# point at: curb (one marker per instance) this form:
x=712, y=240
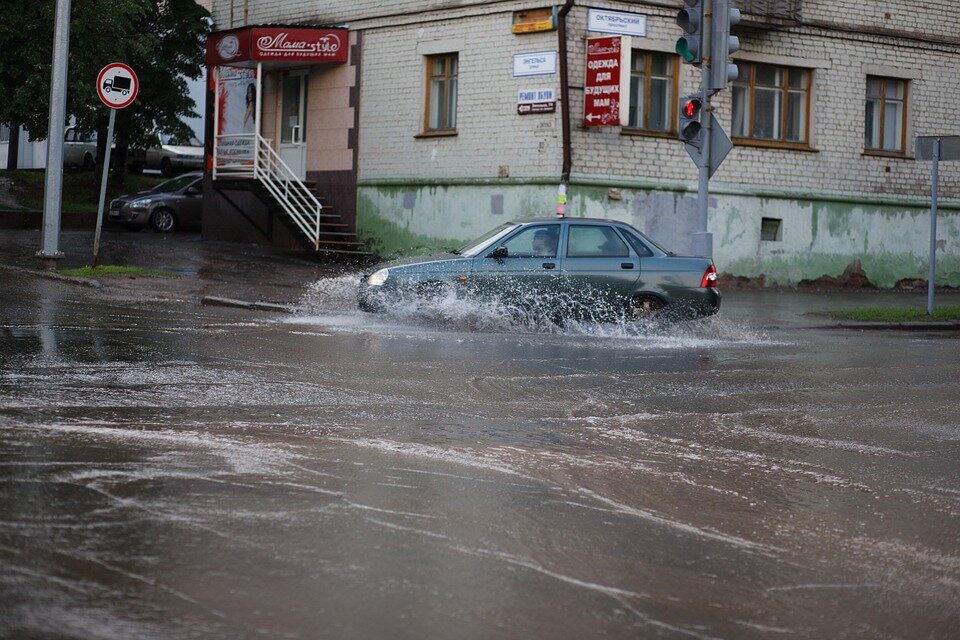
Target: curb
x=50, y=275
x=214, y=301
x=901, y=326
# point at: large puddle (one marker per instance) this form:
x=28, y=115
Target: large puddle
x=331, y=303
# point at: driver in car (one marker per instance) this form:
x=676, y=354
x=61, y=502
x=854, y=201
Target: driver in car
x=545, y=243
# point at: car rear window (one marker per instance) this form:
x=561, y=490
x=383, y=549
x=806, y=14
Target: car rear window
x=595, y=241
x=641, y=249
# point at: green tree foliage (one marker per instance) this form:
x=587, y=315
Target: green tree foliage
x=162, y=40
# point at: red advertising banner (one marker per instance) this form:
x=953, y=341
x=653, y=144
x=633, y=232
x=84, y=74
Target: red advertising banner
x=606, y=90
x=244, y=47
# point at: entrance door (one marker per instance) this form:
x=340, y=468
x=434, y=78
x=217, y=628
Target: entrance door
x=293, y=115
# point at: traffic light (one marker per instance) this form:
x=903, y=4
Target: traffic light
x=691, y=20
x=690, y=128
x=722, y=44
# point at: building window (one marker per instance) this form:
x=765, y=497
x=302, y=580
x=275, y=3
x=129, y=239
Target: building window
x=441, y=104
x=772, y=104
x=886, y=115
x=653, y=84
x=771, y=229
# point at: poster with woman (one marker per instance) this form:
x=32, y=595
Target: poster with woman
x=237, y=116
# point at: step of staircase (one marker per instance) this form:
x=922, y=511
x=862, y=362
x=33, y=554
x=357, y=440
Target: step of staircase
x=335, y=237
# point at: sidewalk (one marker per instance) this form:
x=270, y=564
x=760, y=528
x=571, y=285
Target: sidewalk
x=240, y=271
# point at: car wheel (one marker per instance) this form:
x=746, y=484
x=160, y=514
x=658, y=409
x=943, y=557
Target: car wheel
x=163, y=220
x=88, y=163
x=166, y=168
x=646, y=307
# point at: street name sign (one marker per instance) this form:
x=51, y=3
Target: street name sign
x=606, y=88
x=949, y=147
x=535, y=63
x=117, y=85
x=627, y=24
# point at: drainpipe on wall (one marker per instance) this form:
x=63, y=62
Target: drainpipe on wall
x=564, y=109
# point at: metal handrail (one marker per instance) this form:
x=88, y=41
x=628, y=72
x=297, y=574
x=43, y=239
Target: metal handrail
x=293, y=196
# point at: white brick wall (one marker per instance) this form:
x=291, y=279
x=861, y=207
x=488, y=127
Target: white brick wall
x=491, y=134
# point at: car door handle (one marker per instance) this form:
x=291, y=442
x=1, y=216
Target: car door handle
x=626, y=265
x=549, y=265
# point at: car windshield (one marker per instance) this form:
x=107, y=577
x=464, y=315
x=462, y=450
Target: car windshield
x=174, y=185
x=180, y=142
x=474, y=247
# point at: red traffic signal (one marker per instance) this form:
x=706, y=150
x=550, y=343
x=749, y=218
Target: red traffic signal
x=689, y=129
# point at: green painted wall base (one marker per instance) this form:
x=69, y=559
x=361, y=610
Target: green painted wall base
x=819, y=234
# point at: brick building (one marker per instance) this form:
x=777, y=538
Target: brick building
x=417, y=138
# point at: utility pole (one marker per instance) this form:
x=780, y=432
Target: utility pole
x=53, y=185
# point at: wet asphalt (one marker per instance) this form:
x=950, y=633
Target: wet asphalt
x=169, y=470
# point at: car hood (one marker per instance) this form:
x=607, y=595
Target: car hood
x=127, y=197
x=439, y=260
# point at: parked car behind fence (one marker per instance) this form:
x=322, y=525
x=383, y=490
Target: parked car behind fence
x=79, y=149
x=168, y=154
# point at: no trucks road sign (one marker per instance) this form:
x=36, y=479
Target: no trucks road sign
x=117, y=85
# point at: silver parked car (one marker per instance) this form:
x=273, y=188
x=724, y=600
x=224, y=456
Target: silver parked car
x=168, y=154
x=557, y=267
x=167, y=207
x=79, y=149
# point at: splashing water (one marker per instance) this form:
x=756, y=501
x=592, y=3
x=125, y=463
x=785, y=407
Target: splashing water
x=334, y=301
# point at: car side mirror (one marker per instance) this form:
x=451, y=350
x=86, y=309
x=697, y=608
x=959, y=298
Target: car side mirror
x=193, y=191
x=499, y=253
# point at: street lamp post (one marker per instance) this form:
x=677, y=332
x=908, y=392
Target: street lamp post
x=53, y=185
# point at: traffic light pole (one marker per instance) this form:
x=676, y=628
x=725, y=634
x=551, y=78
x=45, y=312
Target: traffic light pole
x=702, y=239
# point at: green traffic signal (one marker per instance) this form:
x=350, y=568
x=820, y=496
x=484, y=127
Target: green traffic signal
x=691, y=20
x=686, y=49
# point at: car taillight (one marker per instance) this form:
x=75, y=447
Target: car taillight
x=709, y=277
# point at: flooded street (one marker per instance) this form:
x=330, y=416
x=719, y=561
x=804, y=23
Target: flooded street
x=177, y=471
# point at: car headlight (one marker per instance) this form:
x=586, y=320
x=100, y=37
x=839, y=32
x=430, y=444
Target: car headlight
x=378, y=278
x=141, y=203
